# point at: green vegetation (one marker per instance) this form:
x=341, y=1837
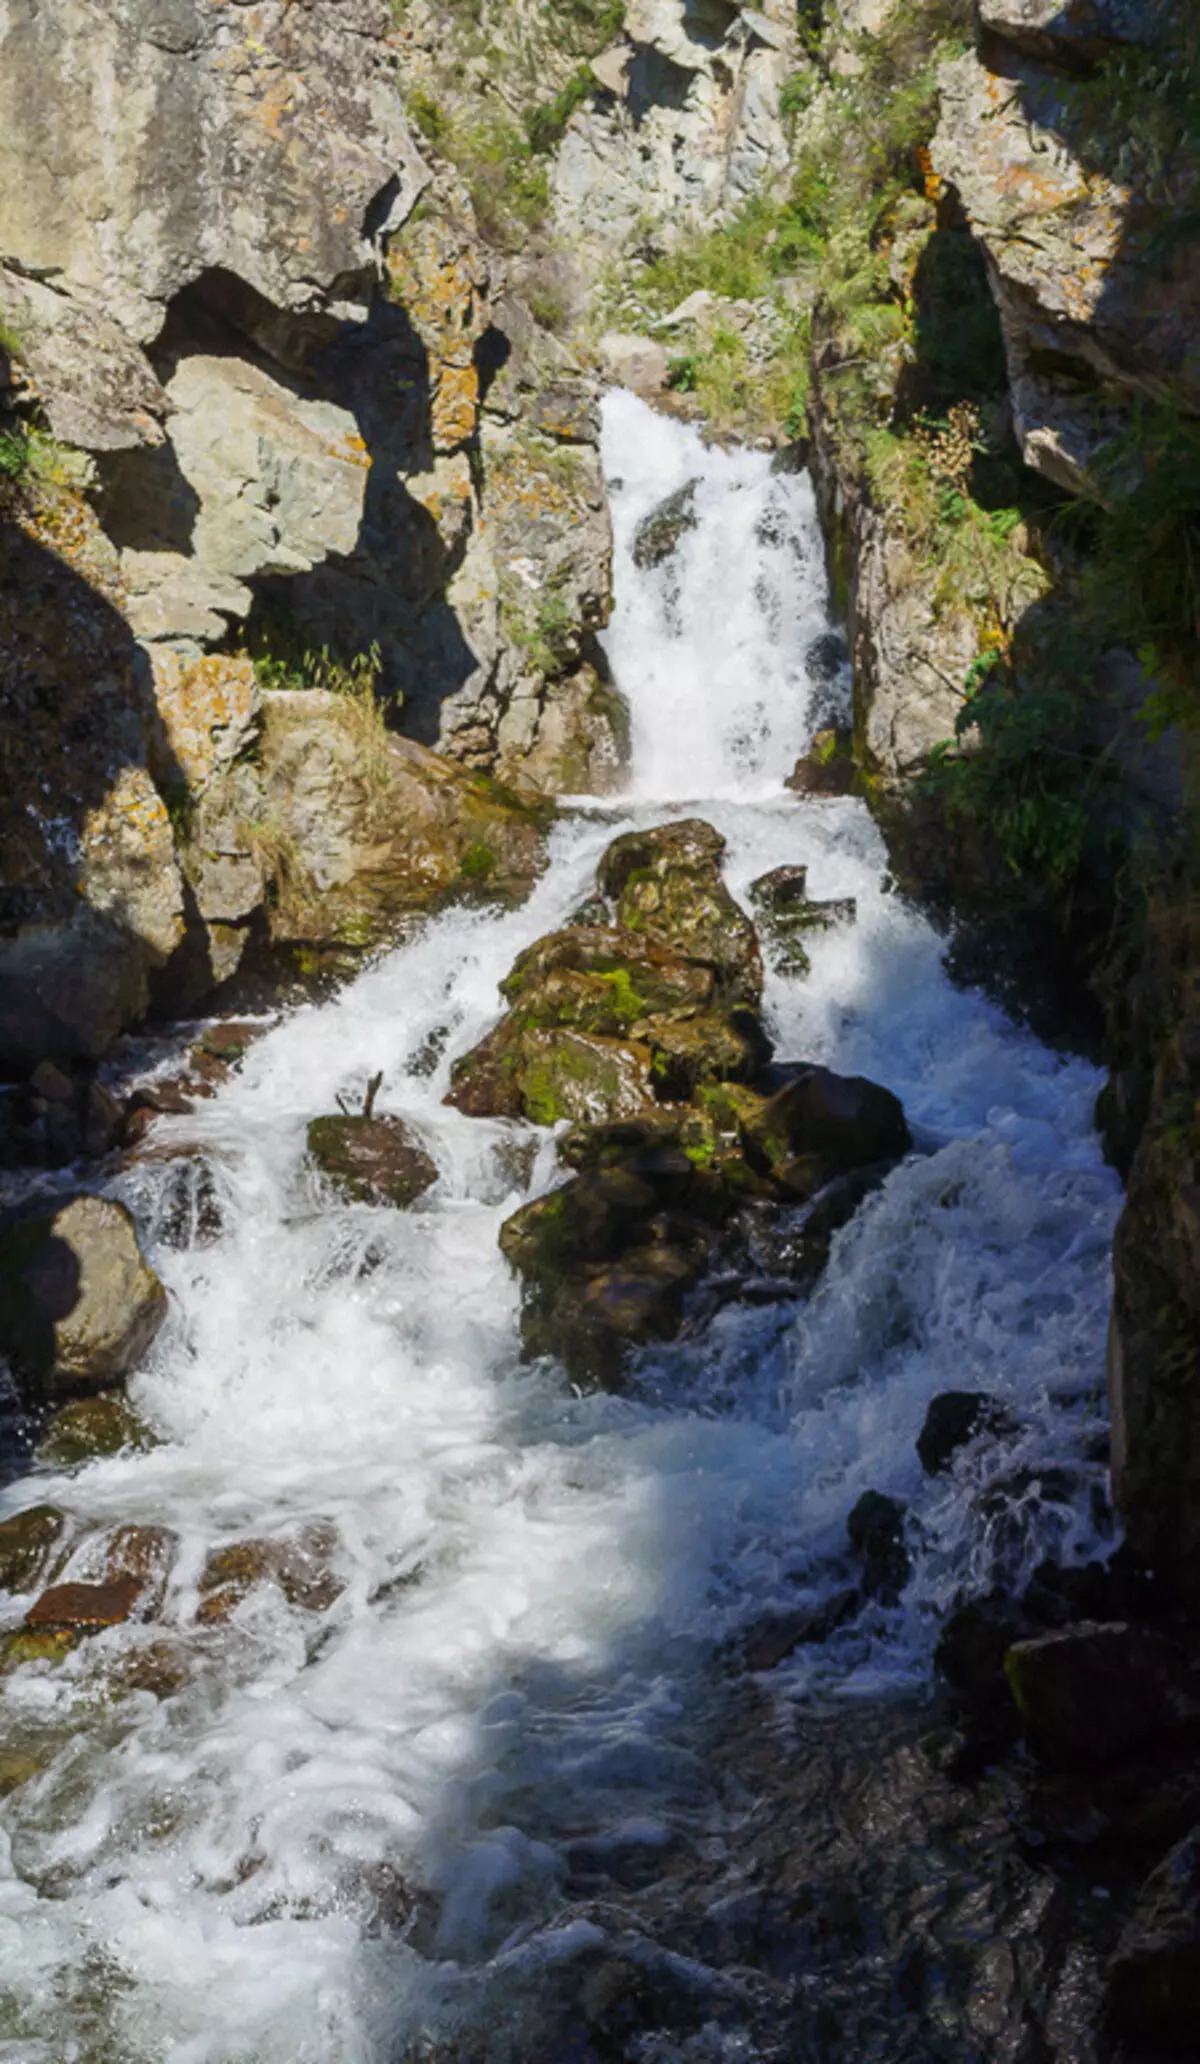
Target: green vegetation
x=10, y=342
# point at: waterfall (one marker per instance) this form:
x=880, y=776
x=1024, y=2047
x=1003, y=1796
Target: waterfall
x=308, y=1850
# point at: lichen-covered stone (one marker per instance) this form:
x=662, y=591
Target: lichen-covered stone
x=364, y=829
x=371, y=1160
x=80, y=1303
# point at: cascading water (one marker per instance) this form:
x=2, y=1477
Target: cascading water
x=533, y=1581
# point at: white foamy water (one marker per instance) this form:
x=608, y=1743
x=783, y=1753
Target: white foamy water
x=532, y=1580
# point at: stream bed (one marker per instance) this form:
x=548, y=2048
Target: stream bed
x=506, y=1792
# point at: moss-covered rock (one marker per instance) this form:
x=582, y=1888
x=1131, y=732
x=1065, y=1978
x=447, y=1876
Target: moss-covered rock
x=79, y=1304
x=636, y=978
x=666, y=884
x=371, y=1160
x=789, y=914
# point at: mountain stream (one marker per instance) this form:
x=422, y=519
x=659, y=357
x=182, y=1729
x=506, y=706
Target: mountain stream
x=379, y=1828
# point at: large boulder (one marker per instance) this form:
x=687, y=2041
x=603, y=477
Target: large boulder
x=79, y=1303
x=820, y=1125
x=371, y=1160
x=363, y=829
x=607, y=1019
x=1095, y=1691
x=607, y=1259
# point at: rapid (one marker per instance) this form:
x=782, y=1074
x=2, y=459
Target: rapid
x=340, y=1833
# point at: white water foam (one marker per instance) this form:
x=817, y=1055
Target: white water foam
x=532, y=1578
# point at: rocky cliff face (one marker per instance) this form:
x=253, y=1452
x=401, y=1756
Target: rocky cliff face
x=1059, y=184
x=257, y=409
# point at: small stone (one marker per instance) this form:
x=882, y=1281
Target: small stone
x=371, y=1160
x=301, y=1566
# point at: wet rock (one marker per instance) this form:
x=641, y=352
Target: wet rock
x=876, y=1532
x=607, y=1260
x=27, y=1543
x=551, y=1075
x=658, y=535
x=821, y=1125
x=789, y=913
x=769, y=1642
x=91, y=1428
x=827, y=768
x=36, y=1645
x=1096, y=1691
x=630, y=977
x=1154, y=1978
x=80, y=1303
x=84, y=1608
x=300, y=1565
x=371, y=1160
x=602, y=1023
x=666, y=884
x=971, y=1649
x=954, y=1419
x=141, y=1555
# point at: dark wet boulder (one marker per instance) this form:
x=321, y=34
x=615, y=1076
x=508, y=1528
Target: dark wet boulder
x=606, y=1261
x=820, y=1125
x=876, y=1532
x=371, y=1160
x=1154, y=1978
x=27, y=1544
x=84, y=1608
x=667, y=885
x=79, y=1303
x=658, y=534
x=971, y=1649
x=953, y=1419
x=1091, y=1693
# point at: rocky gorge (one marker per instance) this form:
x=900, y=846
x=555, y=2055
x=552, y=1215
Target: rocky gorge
x=597, y=649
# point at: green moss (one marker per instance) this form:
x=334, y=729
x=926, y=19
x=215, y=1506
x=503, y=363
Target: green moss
x=626, y=1002
x=479, y=862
